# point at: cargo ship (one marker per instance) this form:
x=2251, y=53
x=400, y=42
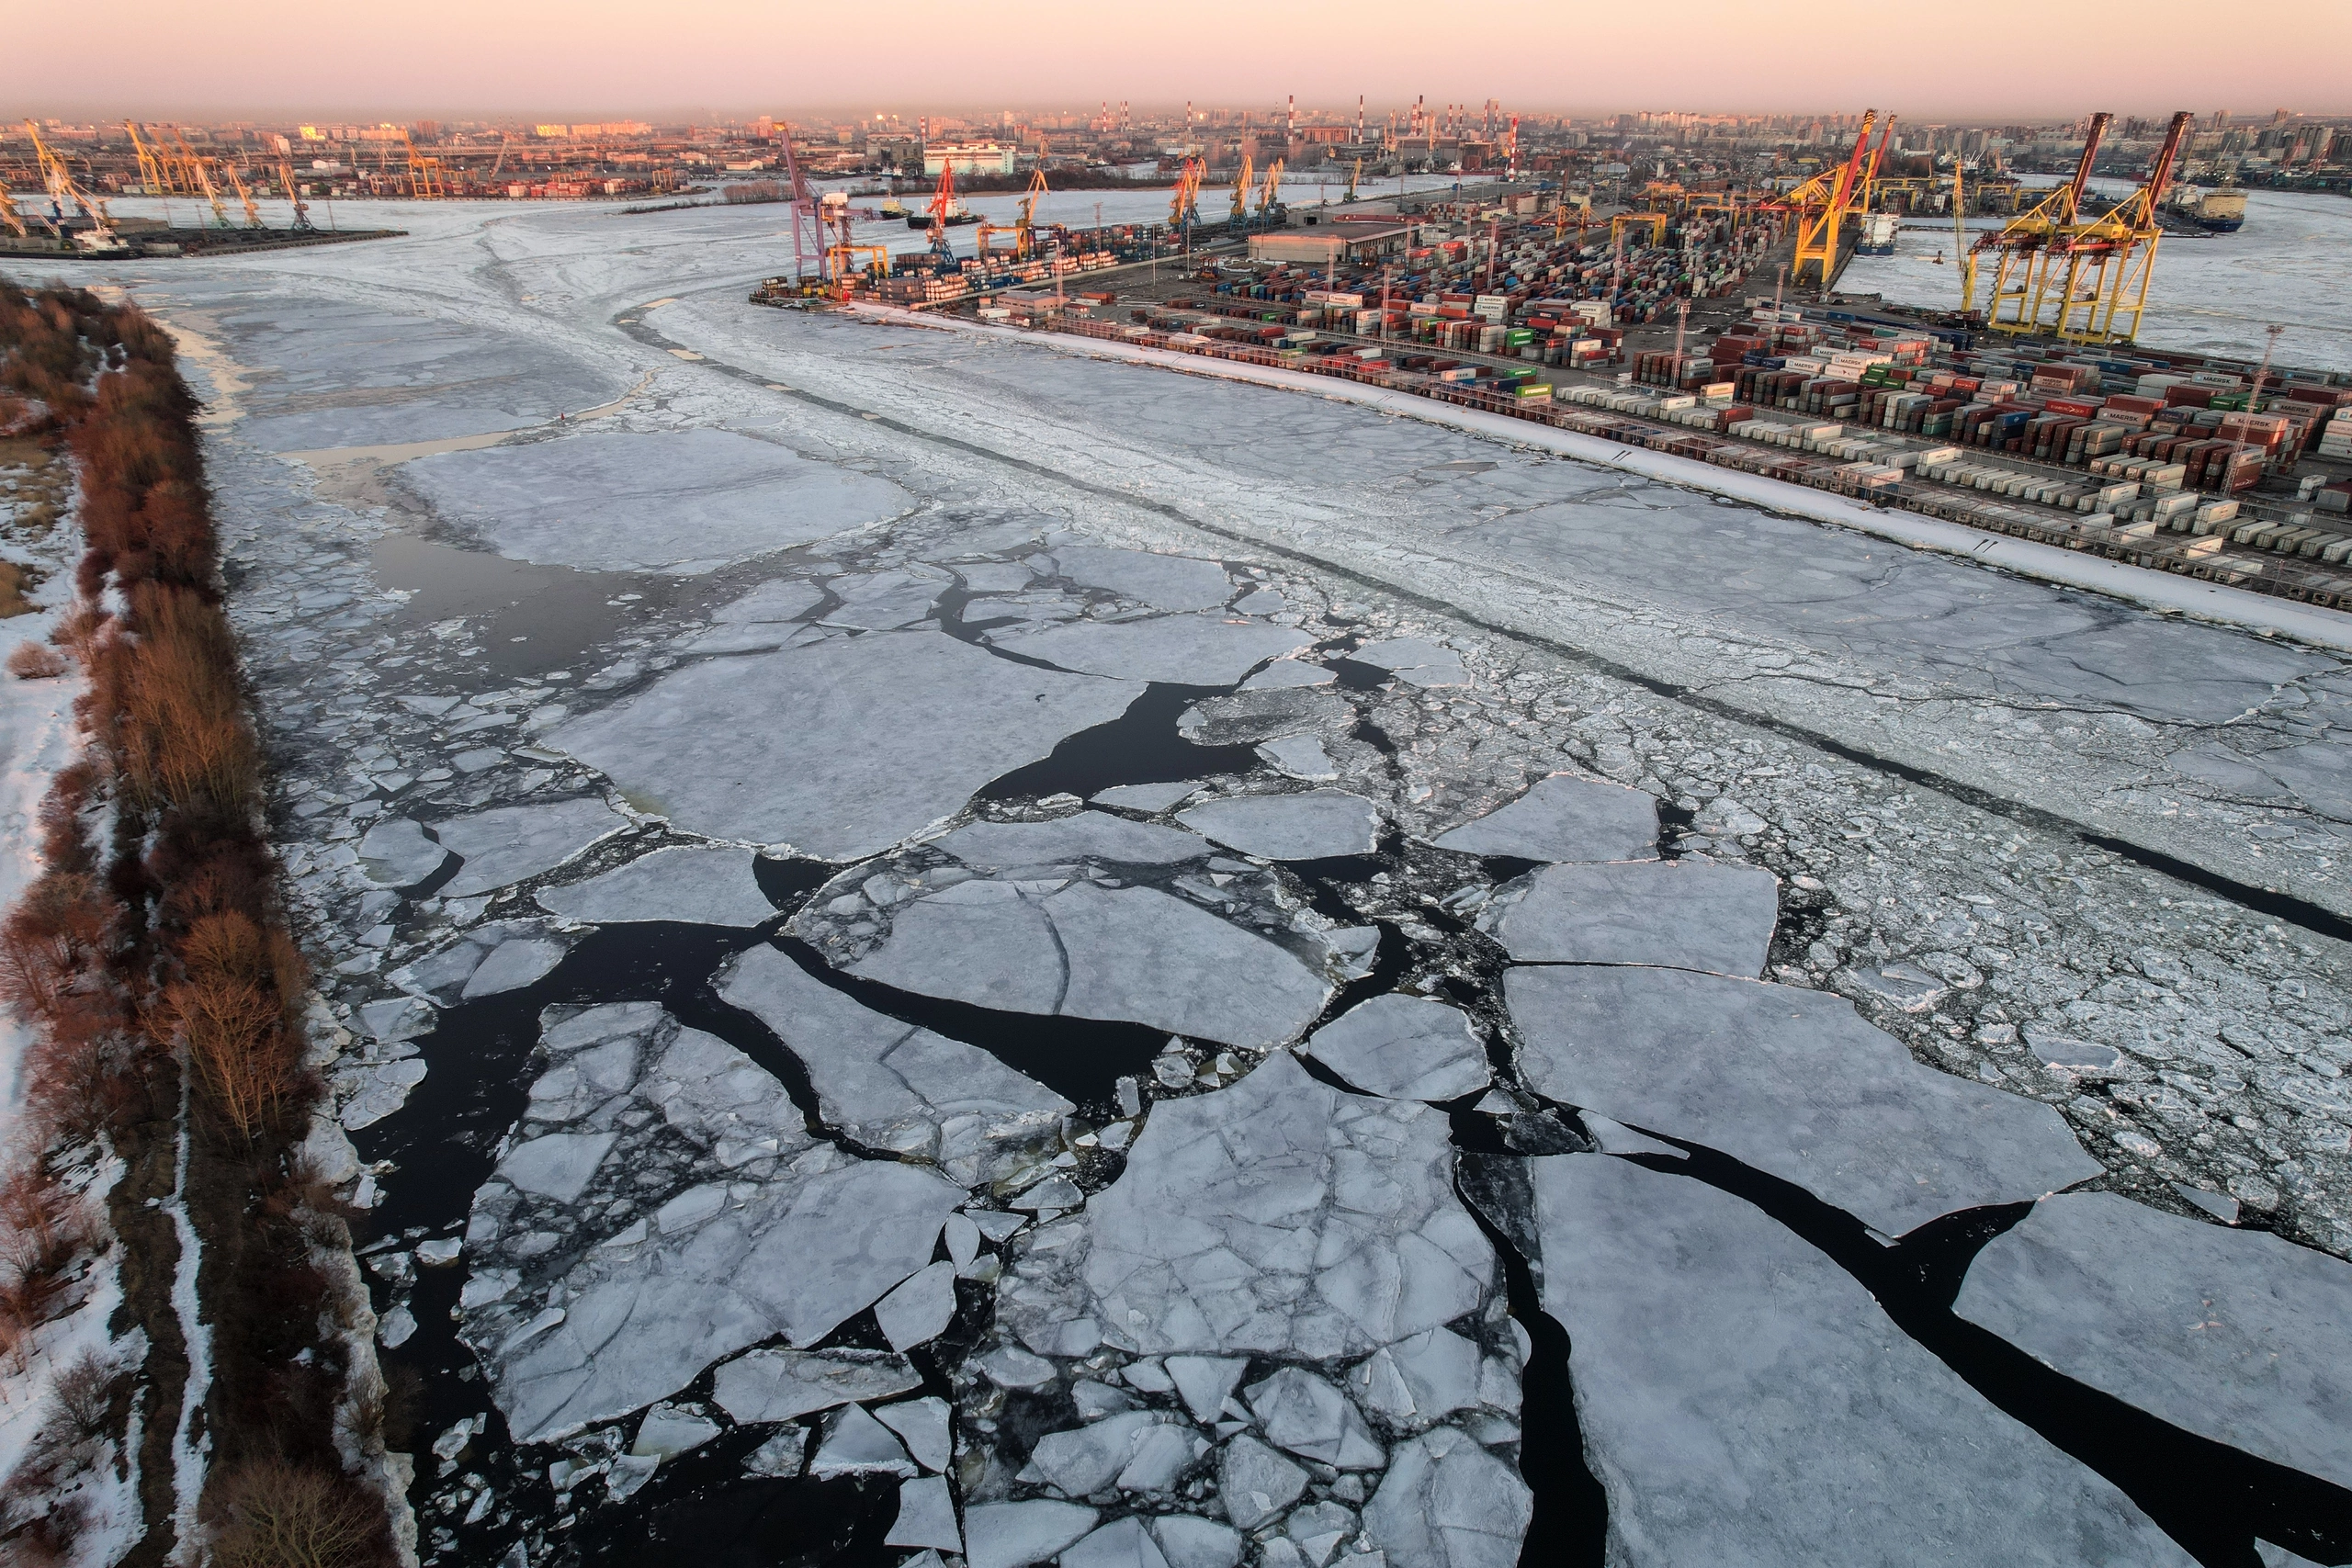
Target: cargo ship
x=2219, y=211
x=957, y=213
x=1877, y=238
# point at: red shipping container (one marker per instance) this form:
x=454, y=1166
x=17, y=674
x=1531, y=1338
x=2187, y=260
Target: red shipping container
x=2125, y=403
x=2188, y=397
x=2082, y=408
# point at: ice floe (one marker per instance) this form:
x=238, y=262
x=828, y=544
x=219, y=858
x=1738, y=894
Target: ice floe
x=2241, y=1336
x=892, y=1085
x=1405, y=1048
x=1311, y=825
x=779, y=1385
x=1166, y=583
x=1792, y=1082
x=838, y=749
x=683, y=501
x=1415, y=661
x=1744, y=1400
x=1563, y=817
x=1153, y=798
x=1185, y=650
x=1078, y=950
x=1277, y=1216
x=741, y=1232
x=1084, y=835
x=397, y=853
x=695, y=885
x=508, y=844
x=1681, y=914
x=1447, y=1503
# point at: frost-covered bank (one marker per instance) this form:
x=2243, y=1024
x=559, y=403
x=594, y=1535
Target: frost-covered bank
x=149, y=964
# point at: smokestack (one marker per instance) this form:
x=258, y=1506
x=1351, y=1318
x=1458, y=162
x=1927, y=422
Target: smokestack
x=1290, y=119
x=1359, y=119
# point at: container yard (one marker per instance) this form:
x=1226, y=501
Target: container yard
x=1649, y=331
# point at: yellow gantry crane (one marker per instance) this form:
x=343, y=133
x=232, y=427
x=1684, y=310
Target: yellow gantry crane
x=153, y=177
x=424, y=173
x=1025, y=225
x=1270, y=195
x=2083, y=277
x=1822, y=203
x=1241, y=191
x=245, y=197
x=1354, y=174
x=65, y=189
x=1963, y=252
x=1184, y=207
x=293, y=192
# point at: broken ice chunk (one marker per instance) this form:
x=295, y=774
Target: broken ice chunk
x=919, y=1310
x=1417, y=1380
x=1416, y=660
x=1790, y=1081
x=2223, y=1209
x=1255, y=1482
x=1152, y=797
x=856, y=1444
x=1131, y=953
x=1012, y=1535
x=1682, y=915
x=1300, y=1411
x=396, y=852
x=508, y=844
x=922, y=1426
x=891, y=1084
x=556, y=1165
x=1616, y=1138
x=1310, y=826
x=1009, y=1366
x=1123, y=1543
x=2237, y=1334
x=1191, y=1542
x=1717, y=1359
x=840, y=748
x=1287, y=672
x=1189, y=650
x=1088, y=1458
x=926, y=1515
x=1564, y=818
x=1300, y=756
x=1405, y=1048
x=694, y=885
x=1278, y=1216
x=1205, y=1382
x=517, y=961
x=669, y=1430
x=1166, y=583
x=1447, y=1503
x=776, y=1385
x=1083, y=835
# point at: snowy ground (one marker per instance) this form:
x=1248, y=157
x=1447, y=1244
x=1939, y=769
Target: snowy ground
x=948, y=946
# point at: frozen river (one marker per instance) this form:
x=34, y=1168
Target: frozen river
x=940, y=945
x=2291, y=265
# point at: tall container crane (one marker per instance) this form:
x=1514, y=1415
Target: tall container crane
x=942, y=208
x=293, y=192
x=1184, y=206
x=2034, y=251
x=245, y=197
x=1271, y=195
x=151, y=168
x=1025, y=226
x=2111, y=259
x=1241, y=213
x=1822, y=203
x=808, y=227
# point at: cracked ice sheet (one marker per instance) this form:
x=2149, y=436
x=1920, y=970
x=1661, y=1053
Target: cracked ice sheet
x=1744, y=1400
x=891, y=1085
x=839, y=749
x=2242, y=1337
x=1074, y=950
x=685, y=883
x=509, y=843
x=1184, y=650
x=1314, y=825
x=1563, y=817
x=683, y=502
x=1792, y=1082
x=1165, y=582
x=1682, y=914
x=1277, y=1216
x=1404, y=1048
x=741, y=1231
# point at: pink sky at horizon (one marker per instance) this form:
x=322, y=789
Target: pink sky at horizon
x=613, y=59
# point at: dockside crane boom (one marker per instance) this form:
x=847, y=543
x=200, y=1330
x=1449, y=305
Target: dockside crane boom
x=151, y=168
x=1240, y=212
x=1025, y=226
x=293, y=192
x=1354, y=174
x=1184, y=207
x=942, y=208
x=1963, y=252
x=1825, y=201
x=245, y=197
x=1269, y=196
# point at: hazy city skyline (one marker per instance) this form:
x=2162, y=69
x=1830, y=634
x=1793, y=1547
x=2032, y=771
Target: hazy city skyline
x=709, y=58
